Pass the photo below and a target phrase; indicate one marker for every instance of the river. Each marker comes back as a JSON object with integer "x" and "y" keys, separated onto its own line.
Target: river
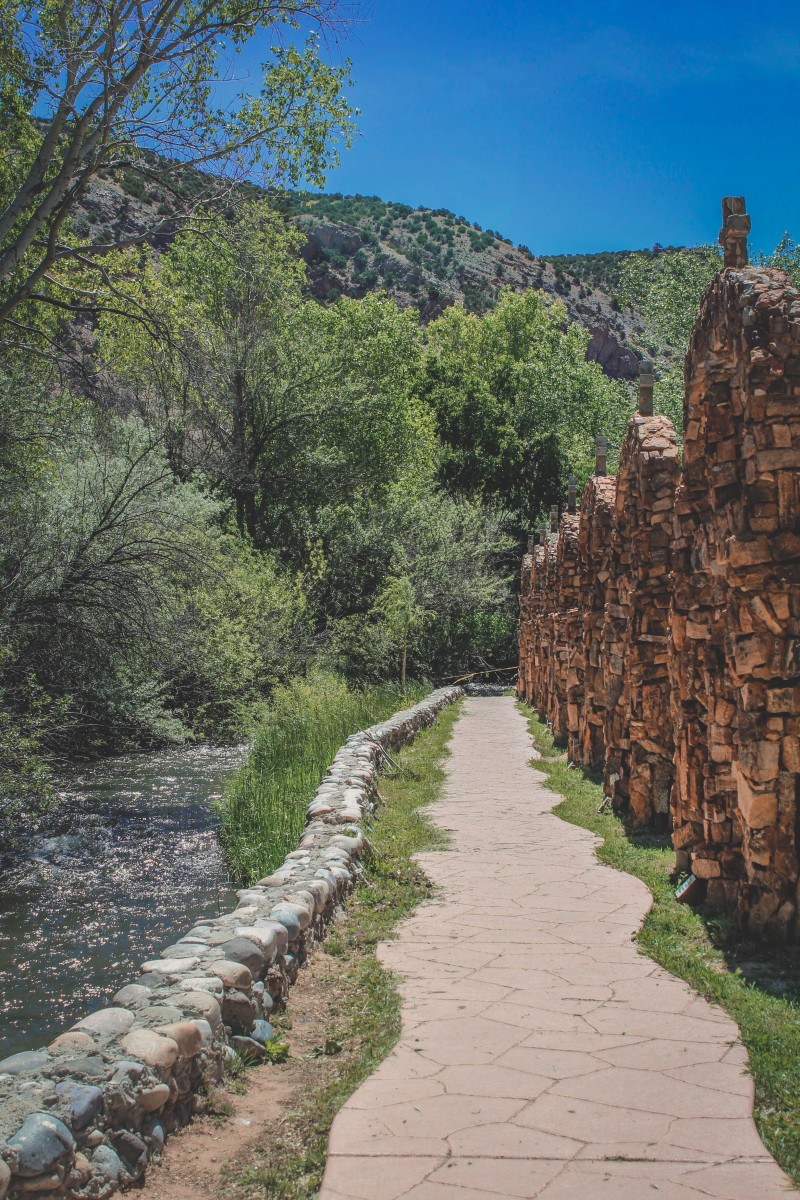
{"x": 130, "y": 862}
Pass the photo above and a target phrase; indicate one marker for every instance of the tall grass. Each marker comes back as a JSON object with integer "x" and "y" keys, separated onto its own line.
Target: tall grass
{"x": 264, "y": 806}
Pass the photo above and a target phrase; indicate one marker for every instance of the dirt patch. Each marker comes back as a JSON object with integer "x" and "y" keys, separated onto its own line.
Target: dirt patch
{"x": 199, "y": 1162}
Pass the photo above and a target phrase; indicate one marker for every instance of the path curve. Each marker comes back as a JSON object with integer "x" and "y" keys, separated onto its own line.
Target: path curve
{"x": 541, "y": 1055}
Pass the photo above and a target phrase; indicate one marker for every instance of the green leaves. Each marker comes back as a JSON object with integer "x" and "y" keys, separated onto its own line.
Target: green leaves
{"x": 516, "y": 405}
{"x": 293, "y": 129}
{"x": 126, "y": 92}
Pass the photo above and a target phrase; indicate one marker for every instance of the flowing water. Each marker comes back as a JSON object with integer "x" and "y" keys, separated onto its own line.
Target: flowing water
{"x": 130, "y": 862}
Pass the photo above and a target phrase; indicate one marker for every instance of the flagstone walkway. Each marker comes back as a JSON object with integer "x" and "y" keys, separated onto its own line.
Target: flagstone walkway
{"x": 541, "y": 1055}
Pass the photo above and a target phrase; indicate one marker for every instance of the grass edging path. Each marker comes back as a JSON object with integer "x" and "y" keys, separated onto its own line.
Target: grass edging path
{"x": 367, "y": 1025}
{"x": 757, "y": 985}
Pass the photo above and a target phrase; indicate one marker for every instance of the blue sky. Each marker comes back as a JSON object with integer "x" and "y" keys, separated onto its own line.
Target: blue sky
{"x": 584, "y": 126}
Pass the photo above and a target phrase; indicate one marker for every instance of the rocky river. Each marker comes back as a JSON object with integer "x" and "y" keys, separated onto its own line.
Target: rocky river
{"x": 130, "y": 858}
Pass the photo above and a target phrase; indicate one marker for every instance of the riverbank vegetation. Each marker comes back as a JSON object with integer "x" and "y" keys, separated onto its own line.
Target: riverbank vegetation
{"x": 757, "y": 984}
{"x": 241, "y": 486}
{"x": 264, "y": 809}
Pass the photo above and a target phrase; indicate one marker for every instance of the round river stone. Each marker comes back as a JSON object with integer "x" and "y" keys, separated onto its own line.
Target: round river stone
{"x": 85, "y": 1100}
{"x": 40, "y": 1144}
{"x": 262, "y": 1032}
{"x": 132, "y": 993}
{"x": 289, "y": 920}
{"x": 242, "y": 950}
{"x": 151, "y": 1047}
{"x": 107, "y": 1022}
{"x": 24, "y": 1063}
{"x": 107, "y": 1164}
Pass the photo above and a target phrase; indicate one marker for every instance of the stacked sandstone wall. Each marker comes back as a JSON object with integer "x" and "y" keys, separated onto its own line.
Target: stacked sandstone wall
{"x": 689, "y": 605}
{"x": 594, "y": 554}
{"x": 566, "y": 669}
{"x": 526, "y": 626}
{"x": 593, "y": 644}
{"x": 545, "y": 589}
{"x": 638, "y": 724}
{"x": 735, "y": 654}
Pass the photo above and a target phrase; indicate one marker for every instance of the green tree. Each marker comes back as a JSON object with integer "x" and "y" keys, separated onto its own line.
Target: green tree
{"x": 785, "y": 257}
{"x": 458, "y": 557}
{"x": 666, "y": 289}
{"x": 129, "y": 91}
{"x": 397, "y": 606}
{"x": 515, "y": 403}
{"x": 285, "y": 405}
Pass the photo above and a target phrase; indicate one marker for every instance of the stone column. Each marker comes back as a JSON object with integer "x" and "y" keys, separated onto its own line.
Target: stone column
{"x": 638, "y": 723}
{"x": 733, "y": 235}
{"x": 734, "y": 660}
{"x": 594, "y": 555}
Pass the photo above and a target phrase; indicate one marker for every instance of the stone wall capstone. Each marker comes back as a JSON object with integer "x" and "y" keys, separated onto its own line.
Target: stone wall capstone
{"x": 83, "y": 1116}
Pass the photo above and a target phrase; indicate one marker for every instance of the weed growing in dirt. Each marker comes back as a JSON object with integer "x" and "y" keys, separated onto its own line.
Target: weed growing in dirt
{"x": 368, "y": 1022}
{"x": 758, "y": 985}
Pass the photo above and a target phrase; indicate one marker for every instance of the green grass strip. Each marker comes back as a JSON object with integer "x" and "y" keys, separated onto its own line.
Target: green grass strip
{"x": 368, "y": 1024}
{"x": 757, "y": 984}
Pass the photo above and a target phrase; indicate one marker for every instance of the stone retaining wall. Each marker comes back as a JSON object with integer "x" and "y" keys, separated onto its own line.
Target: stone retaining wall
{"x": 84, "y": 1116}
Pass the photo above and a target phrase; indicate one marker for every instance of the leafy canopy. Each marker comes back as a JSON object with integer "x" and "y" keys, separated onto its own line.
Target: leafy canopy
{"x": 286, "y": 405}
{"x": 516, "y": 403}
{"x": 132, "y": 89}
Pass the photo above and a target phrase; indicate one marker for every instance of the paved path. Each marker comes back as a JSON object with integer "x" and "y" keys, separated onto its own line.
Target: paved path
{"x": 541, "y": 1055}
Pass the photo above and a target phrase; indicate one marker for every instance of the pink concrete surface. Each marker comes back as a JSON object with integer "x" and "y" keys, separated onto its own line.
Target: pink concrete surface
{"x": 541, "y": 1054}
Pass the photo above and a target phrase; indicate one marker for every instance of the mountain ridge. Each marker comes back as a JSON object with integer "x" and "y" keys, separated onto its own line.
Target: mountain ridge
{"x": 422, "y": 258}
